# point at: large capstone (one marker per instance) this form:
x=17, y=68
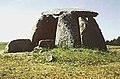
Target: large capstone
x=69, y=27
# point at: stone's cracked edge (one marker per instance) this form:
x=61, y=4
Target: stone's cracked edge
x=81, y=12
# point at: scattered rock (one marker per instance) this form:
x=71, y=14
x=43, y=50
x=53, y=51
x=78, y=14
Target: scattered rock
x=38, y=49
x=48, y=43
x=50, y=58
x=19, y=45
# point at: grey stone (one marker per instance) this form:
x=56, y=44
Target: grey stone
x=19, y=45
x=63, y=27
x=83, y=25
x=38, y=49
x=67, y=33
x=50, y=58
x=75, y=11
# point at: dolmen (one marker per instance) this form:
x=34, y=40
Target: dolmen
x=70, y=27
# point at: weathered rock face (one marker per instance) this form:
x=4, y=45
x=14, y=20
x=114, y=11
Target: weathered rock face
x=64, y=28
x=75, y=11
x=45, y=29
x=83, y=25
x=92, y=36
x=46, y=43
x=19, y=45
x=67, y=33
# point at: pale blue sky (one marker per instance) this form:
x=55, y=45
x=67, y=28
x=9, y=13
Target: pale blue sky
x=17, y=17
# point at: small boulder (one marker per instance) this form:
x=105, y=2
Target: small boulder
x=19, y=45
x=48, y=43
x=50, y=58
x=38, y=49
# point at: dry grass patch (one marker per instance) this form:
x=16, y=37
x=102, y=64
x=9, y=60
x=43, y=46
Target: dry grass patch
x=71, y=63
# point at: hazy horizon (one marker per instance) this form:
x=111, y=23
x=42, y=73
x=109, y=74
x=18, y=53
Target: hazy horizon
x=17, y=17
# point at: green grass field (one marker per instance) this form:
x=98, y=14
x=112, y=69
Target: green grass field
x=71, y=63
x=2, y=45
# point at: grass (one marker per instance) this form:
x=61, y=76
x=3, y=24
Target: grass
x=114, y=48
x=70, y=63
x=2, y=45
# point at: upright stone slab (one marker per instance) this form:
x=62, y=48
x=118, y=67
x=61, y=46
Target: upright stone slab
x=45, y=29
x=67, y=33
x=92, y=36
x=83, y=25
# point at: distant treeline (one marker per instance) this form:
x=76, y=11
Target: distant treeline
x=114, y=42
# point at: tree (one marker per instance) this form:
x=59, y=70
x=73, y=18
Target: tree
x=114, y=42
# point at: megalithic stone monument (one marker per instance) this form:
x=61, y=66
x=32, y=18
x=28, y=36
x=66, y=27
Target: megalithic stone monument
x=64, y=27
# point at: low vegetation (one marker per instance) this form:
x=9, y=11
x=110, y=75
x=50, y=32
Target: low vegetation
x=80, y=63
x=2, y=45
x=115, y=42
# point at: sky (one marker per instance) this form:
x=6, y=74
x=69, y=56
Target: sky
x=17, y=17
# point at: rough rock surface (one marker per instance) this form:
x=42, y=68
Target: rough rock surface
x=67, y=33
x=64, y=28
x=46, y=43
x=75, y=11
x=92, y=35
x=19, y=45
x=45, y=29
x=50, y=58
x=83, y=23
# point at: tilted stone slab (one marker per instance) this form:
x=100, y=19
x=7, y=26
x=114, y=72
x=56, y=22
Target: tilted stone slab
x=45, y=29
x=62, y=26
x=92, y=36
